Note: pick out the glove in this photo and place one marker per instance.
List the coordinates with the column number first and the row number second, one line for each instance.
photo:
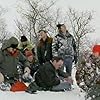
column 27, row 77
column 27, row 70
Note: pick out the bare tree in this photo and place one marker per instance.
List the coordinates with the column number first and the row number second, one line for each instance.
column 38, row 17
column 3, row 31
column 80, row 24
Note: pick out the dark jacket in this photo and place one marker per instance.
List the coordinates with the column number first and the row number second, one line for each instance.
column 46, row 76
column 44, row 50
column 34, row 66
column 8, row 63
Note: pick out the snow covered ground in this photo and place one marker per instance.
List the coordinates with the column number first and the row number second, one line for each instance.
column 75, row 94
column 71, row 95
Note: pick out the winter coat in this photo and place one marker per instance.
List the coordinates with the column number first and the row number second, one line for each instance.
column 47, row 76
column 28, row 46
column 64, row 45
column 44, row 50
column 8, row 63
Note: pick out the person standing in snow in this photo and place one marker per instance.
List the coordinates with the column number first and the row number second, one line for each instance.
column 64, row 46
column 44, row 47
column 10, row 57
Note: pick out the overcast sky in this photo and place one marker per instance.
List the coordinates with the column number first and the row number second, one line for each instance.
column 90, row 5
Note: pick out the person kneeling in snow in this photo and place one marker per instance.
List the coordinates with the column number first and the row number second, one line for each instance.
column 10, row 56
column 50, row 77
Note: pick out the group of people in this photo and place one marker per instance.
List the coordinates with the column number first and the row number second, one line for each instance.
column 45, row 63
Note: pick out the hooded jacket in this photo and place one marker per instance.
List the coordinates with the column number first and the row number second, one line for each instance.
column 8, row 63
column 7, row 43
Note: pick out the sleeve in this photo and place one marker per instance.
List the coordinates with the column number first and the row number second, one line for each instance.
column 74, row 44
column 24, row 60
column 52, row 79
column 55, row 47
column 39, row 55
column 1, row 58
column 74, row 47
column 63, row 74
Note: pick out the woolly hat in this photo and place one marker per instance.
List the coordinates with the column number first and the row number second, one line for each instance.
column 96, row 48
column 23, row 38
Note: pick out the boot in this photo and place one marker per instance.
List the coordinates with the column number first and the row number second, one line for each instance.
column 32, row 88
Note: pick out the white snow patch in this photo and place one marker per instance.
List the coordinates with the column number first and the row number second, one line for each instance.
column 75, row 94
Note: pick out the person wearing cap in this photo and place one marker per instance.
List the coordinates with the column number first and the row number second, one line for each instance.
column 44, row 47
column 25, row 44
column 64, row 46
column 10, row 56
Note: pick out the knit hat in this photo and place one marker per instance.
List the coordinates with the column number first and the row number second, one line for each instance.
column 96, row 48
column 23, row 38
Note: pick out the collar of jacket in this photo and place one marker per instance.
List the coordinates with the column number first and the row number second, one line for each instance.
column 48, row 40
column 63, row 36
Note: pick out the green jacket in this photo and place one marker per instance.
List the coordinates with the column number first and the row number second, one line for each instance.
column 8, row 63
column 28, row 46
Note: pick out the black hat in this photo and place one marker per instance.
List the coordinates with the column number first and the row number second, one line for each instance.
column 59, row 25
column 23, row 38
